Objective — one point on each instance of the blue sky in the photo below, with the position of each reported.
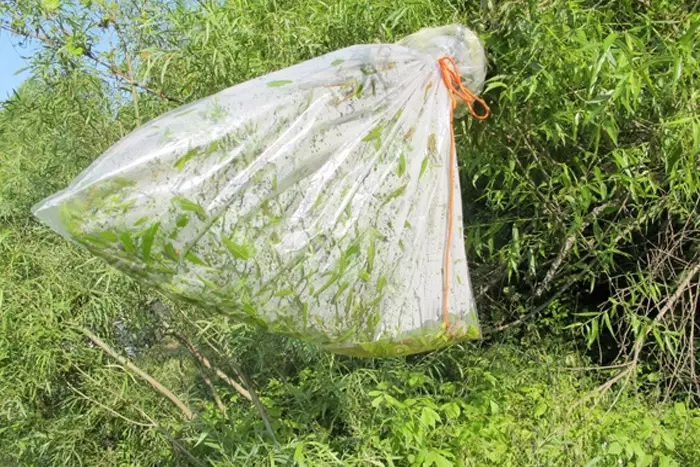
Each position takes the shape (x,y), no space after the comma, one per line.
(11,60)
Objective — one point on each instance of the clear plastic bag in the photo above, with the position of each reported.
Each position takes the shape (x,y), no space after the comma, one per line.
(311,201)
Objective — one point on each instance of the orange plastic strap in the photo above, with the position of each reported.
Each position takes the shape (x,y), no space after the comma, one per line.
(455,88)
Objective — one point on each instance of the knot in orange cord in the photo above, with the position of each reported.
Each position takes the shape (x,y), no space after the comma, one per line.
(453,83)
(455,88)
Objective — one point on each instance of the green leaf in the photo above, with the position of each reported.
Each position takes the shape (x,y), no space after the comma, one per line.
(181,162)
(147,243)
(381,283)
(278,83)
(191,206)
(200,439)
(429,417)
(337,62)
(127,243)
(72,49)
(370,255)
(396,193)
(237,251)
(402,165)
(432,143)
(451,409)
(50,5)
(615,448)
(299,455)
(611,129)
(374,135)
(540,409)
(192,258)
(358,90)
(441,461)
(209,284)
(182,220)
(423,167)
(170,252)
(334,277)
(111,237)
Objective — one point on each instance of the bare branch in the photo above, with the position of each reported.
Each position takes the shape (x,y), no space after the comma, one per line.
(205,362)
(186,412)
(214,393)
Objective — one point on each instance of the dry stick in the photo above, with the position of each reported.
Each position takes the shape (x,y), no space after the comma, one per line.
(205,362)
(595,368)
(134,94)
(258,405)
(693,375)
(148,378)
(53,44)
(239,372)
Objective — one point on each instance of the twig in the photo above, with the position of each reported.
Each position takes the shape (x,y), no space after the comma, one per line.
(205,362)
(130,69)
(174,442)
(596,368)
(670,304)
(259,406)
(578,276)
(214,393)
(565,250)
(537,310)
(254,397)
(239,372)
(54,44)
(152,424)
(186,412)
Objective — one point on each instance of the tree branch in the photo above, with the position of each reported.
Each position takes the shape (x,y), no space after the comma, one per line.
(54,45)
(205,362)
(565,250)
(214,393)
(186,412)
(152,424)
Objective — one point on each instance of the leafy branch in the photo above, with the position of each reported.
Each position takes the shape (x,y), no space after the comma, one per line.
(86,52)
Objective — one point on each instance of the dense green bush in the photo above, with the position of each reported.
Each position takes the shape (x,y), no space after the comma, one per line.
(581,209)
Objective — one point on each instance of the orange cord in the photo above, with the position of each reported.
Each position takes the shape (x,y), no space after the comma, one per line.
(455,88)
